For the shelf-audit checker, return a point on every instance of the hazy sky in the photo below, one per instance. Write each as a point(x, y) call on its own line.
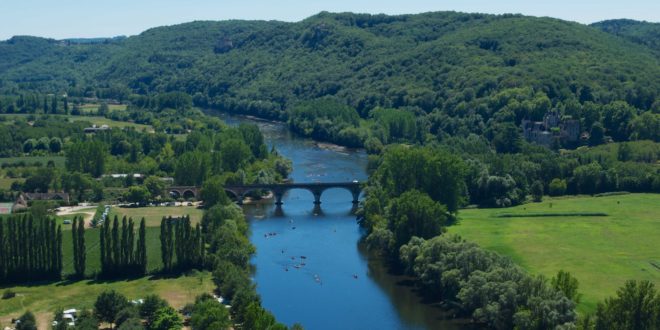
point(95, 18)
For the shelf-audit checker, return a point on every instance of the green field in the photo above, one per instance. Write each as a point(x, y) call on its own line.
point(94, 107)
point(30, 160)
point(43, 300)
point(97, 120)
point(112, 123)
point(601, 251)
point(5, 183)
point(93, 258)
point(153, 215)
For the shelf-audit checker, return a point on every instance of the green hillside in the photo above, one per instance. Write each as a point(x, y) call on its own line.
point(644, 33)
point(447, 61)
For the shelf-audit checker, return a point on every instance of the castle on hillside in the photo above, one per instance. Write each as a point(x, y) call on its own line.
point(554, 127)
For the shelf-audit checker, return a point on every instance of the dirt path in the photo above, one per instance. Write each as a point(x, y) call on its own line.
point(88, 211)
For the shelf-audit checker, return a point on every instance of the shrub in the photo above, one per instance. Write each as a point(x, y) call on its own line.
point(8, 294)
point(557, 187)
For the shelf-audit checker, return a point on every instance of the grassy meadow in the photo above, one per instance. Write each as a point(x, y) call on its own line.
point(59, 161)
point(112, 123)
point(88, 108)
point(97, 120)
point(153, 215)
point(44, 298)
point(602, 252)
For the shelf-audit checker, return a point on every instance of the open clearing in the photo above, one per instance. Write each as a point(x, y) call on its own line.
point(154, 214)
point(44, 299)
point(94, 107)
point(58, 161)
point(96, 120)
point(602, 252)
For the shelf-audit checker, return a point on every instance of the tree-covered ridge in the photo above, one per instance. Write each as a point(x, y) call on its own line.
point(453, 62)
point(645, 33)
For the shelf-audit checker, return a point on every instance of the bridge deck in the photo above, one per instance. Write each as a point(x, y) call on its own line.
point(294, 185)
point(279, 189)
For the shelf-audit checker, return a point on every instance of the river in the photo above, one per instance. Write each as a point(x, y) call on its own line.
point(313, 271)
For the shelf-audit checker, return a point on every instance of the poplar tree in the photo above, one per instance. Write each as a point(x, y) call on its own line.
point(3, 250)
point(163, 244)
point(53, 105)
point(129, 259)
point(74, 240)
point(142, 248)
point(57, 272)
point(108, 246)
point(116, 250)
point(102, 246)
point(79, 244)
point(123, 260)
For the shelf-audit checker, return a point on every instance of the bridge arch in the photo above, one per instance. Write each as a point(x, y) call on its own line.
point(352, 192)
point(279, 189)
point(189, 194)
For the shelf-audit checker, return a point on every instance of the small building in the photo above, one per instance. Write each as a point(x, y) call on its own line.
point(6, 208)
point(124, 176)
point(58, 196)
point(95, 128)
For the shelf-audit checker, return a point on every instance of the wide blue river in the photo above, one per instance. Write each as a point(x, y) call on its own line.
point(309, 268)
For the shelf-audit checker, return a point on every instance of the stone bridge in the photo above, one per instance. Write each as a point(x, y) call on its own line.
point(185, 192)
point(278, 190)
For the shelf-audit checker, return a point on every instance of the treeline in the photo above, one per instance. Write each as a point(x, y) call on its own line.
point(500, 180)
point(210, 149)
point(635, 306)
point(32, 103)
point(327, 120)
point(182, 246)
point(38, 135)
point(30, 249)
point(229, 253)
point(485, 286)
point(120, 254)
point(412, 196)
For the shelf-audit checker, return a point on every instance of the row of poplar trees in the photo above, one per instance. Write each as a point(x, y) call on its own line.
point(120, 255)
point(179, 239)
point(30, 249)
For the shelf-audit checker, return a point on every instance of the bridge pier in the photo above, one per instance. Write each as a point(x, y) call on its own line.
point(317, 197)
point(278, 196)
point(356, 195)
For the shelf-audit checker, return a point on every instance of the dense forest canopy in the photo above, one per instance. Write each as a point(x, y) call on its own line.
point(446, 61)
point(644, 33)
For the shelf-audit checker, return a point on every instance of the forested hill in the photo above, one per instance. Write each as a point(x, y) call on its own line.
point(457, 64)
point(644, 33)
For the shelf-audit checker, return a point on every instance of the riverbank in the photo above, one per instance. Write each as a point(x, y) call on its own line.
point(324, 144)
point(335, 281)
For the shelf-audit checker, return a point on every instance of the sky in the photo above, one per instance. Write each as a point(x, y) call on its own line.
point(106, 18)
